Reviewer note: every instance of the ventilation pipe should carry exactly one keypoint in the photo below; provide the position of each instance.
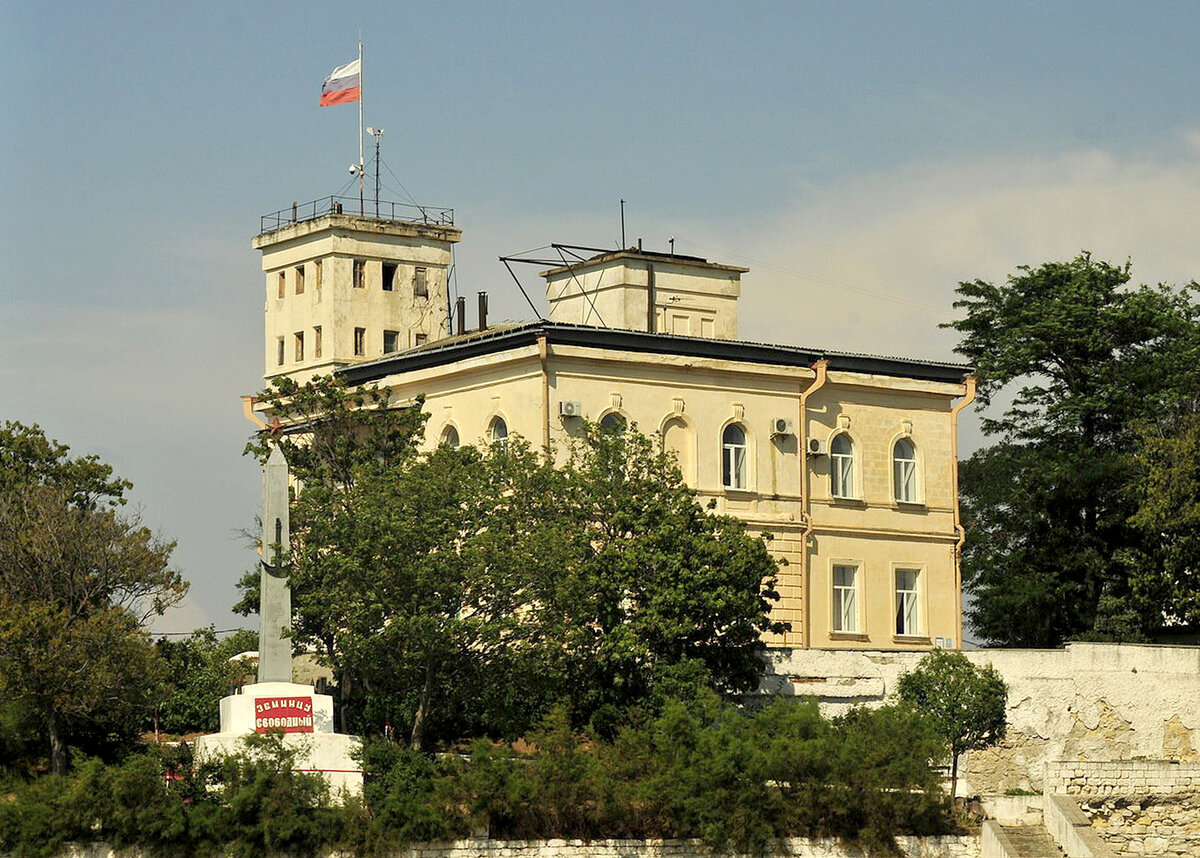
(460, 314)
(483, 311)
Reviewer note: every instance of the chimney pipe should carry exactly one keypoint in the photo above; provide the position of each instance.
(483, 311)
(460, 314)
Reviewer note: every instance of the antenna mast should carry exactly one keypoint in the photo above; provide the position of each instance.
(377, 133)
(622, 224)
(361, 159)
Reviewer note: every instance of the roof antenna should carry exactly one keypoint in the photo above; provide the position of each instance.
(622, 224)
(672, 240)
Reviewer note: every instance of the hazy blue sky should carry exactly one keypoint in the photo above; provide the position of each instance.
(861, 158)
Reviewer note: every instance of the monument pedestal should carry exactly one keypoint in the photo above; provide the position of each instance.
(306, 719)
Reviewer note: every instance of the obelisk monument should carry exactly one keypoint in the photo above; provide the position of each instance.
(275, 704)
(275, 594)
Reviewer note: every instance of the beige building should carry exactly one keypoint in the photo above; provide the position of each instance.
(847, 461)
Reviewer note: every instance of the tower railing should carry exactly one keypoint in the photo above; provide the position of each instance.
(383, 210)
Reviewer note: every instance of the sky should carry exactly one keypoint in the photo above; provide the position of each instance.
(861, 158)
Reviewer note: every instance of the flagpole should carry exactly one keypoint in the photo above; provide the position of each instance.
(361, 159)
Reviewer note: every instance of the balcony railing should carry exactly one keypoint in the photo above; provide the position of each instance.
(381, 210)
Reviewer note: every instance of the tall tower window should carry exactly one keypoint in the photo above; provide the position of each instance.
(420, 285)
(904, 471)
(360, 274)
(841, 466)
(282, 283)
(908, 616)
(733, 458)
(299, 279)
(390, 341)
(389, 276)
(279, 351)
(317, 341)
(299, 346)
(317, 274)
(360, 341)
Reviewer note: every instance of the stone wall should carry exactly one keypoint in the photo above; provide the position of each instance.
(482, 847)
(1084, 702)
(1132, 777)
(1146, 824)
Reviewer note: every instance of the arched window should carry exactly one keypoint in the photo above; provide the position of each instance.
(841, 466)
(733, 457)
(450, 437)
(498, 431)
(612, 422)
(904, 471)
(675, 439)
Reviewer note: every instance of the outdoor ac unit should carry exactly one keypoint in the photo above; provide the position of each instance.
(783, 426)
(817, 446)
(570, 409)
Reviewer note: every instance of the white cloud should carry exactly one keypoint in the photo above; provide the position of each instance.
(871, 264)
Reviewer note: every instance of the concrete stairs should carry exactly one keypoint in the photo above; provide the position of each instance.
(1031, 841)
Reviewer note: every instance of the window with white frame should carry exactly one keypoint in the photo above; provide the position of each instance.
(450, 437)
(908, 613)
(733, 457)
(841, 466)
(845, 598)
(498, 431)
(904, 471)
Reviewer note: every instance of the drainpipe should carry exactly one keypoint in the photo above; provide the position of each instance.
(968, 398)
(543, 354)
(821, 368)
(248, 403)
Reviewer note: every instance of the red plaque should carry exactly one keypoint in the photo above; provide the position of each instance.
(289, 714)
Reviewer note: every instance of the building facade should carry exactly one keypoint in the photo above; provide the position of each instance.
(846, 462)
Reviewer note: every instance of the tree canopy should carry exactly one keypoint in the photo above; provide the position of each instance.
(77, 581)
(1086, 361)
(460, 591)
(965, 703)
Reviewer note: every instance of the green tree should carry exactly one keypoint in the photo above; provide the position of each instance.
(77, 582)
(1083, 357)
(465, 590)
(965, 703)
(1168, 514)
(200, 670)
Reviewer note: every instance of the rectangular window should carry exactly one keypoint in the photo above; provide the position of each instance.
(299, 345)
(360, 274)
(908, 617)
(279, 351)
(360, 341)
(317, 341)
(299, 279)
(845, 598)
(282, 283)
(317, 275)
(420, 286)
(420, 339)
(389, 341)
(389, 276)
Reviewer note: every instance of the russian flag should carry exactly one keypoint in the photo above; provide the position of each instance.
(343, 85)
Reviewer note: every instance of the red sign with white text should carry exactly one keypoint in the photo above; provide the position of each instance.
(289, 714)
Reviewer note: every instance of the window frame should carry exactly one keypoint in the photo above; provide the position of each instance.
(358, 273)
(360, 342)
(317, 341)
(843, 469)
(497, 422)
(299, 277)
(420, 282)
(910, 605)
(448, 431)
(837, 601)
(913, 495)
(733, 477)
(299, 341)
(395, 341)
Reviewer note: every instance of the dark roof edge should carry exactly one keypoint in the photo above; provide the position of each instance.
(641, 341)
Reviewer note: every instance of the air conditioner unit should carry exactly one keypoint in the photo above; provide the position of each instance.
(783, 426)
(570, 409)
(817, 447)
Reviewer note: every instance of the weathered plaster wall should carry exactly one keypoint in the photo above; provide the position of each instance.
(1084, 702)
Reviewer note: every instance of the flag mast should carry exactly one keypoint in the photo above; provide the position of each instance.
(361, 159)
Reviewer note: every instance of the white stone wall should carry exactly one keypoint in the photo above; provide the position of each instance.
(1094, 702)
